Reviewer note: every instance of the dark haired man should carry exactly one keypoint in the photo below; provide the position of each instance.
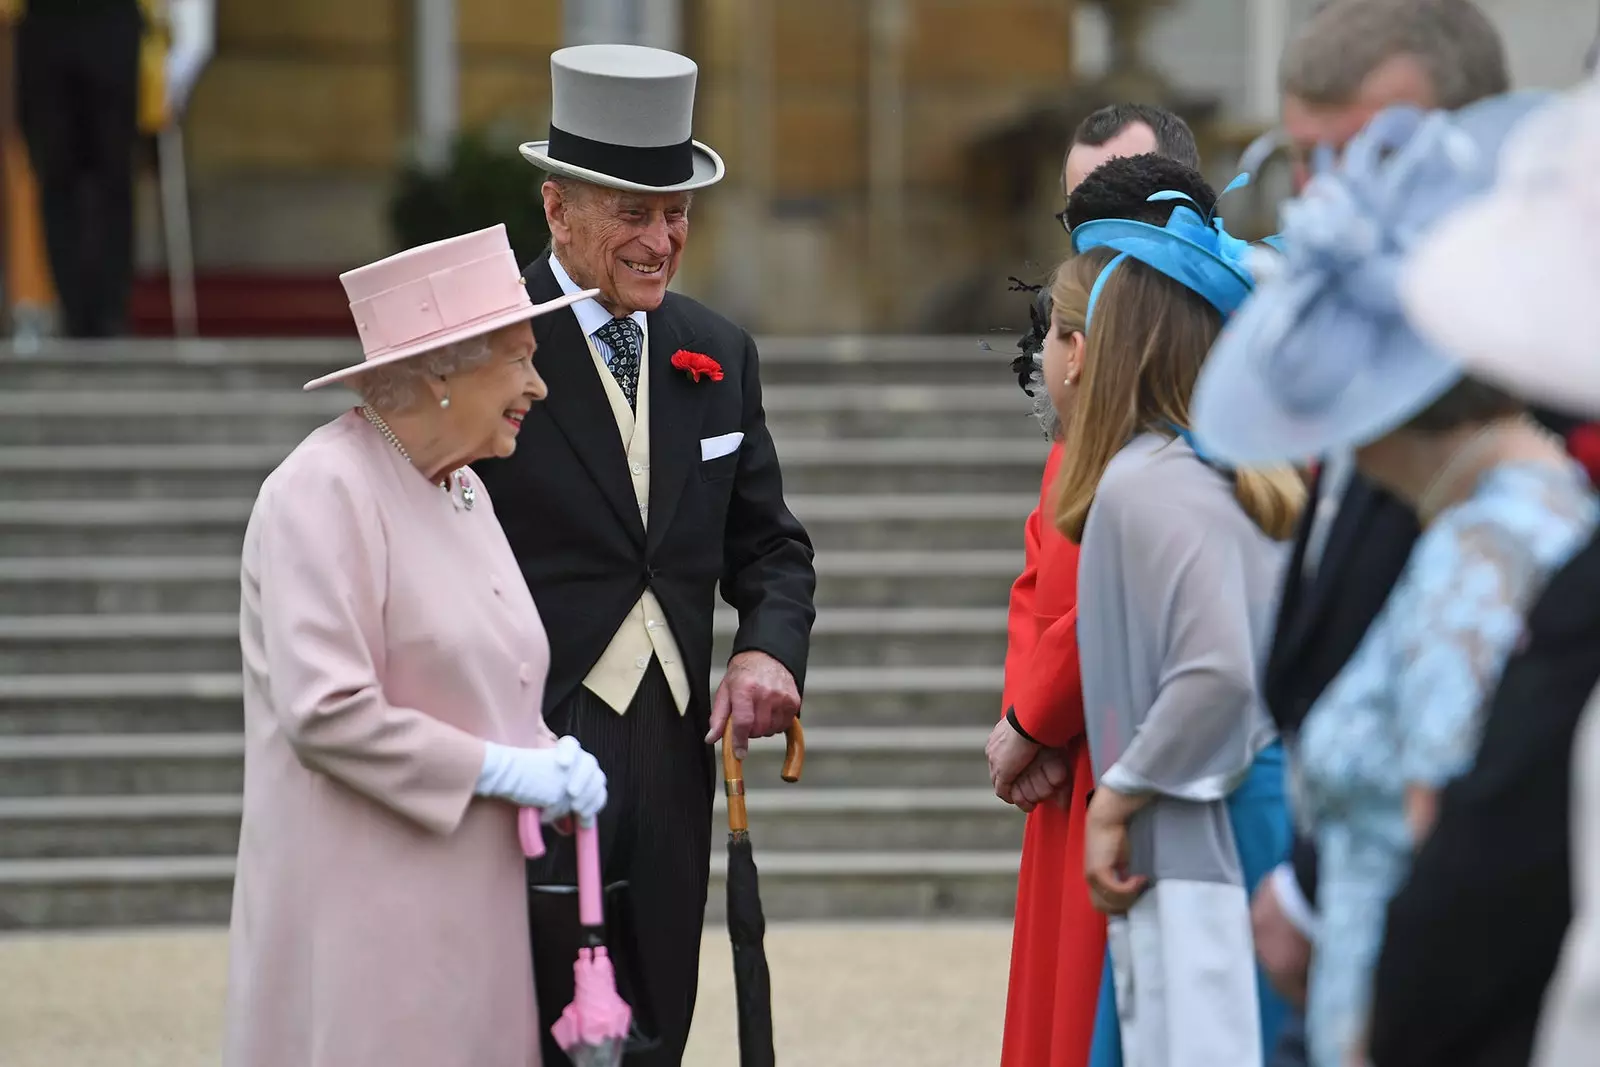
(1124, 130)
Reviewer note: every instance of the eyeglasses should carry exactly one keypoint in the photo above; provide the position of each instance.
(1061, 217)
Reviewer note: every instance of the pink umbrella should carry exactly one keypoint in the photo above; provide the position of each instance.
(594, 1028)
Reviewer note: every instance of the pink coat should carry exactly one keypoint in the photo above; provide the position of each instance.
(379, 911)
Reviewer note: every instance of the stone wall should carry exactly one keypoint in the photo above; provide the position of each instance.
(306, 109)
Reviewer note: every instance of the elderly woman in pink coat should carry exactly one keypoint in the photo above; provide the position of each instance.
(394, 668)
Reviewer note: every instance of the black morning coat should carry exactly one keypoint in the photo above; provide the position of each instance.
(565, 500)
(1321, 622)
(1473, 936)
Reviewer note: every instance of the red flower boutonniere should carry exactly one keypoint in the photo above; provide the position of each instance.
(695, 364)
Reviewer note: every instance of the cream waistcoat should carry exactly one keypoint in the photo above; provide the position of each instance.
(644, 633)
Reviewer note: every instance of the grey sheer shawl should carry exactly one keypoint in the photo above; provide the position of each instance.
(1176, 593)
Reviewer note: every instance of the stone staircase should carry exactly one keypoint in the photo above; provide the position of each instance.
(126, 476)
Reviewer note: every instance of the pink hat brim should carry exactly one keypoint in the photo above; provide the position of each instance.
(485, 325)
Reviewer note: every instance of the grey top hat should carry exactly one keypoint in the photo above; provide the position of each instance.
(620, 116)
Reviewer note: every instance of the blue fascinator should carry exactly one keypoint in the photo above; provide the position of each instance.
(1321, 358)
(1193, 250)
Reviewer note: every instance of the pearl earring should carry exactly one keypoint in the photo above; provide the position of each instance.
(444, 401)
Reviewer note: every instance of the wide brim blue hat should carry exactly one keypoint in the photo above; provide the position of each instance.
(1322, 357)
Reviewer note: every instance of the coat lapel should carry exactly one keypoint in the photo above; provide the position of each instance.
(676, 403)
(577, 401)
(1354, 506)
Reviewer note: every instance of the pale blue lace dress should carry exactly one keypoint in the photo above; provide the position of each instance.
(1406, 710)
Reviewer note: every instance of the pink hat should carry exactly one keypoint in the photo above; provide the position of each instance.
(435, 295)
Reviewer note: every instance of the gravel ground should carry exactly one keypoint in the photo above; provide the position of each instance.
(845, 995)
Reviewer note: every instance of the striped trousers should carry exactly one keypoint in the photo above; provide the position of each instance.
(655, 832)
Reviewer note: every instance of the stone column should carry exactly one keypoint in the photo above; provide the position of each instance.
(657, 23)
(437, 80)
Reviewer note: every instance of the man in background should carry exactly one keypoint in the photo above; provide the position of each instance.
(78, 78)
(78, 98)
(1124, 130)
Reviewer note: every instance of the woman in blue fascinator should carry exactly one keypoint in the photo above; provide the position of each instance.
(1320, 360)
(1176, 581)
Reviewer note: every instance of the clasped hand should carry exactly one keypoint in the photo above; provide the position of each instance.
(560, 780)
(1022, 772)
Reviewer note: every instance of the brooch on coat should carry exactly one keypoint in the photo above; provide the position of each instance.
(696, 364)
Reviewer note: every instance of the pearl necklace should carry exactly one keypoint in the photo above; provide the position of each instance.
(468, 495)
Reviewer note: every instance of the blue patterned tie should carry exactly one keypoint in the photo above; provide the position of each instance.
(624, 338)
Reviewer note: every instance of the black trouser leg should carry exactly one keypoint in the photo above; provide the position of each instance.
(655, 832)
(78, 86)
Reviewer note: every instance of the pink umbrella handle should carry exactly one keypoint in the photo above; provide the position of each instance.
(529, 834)
(591, 911)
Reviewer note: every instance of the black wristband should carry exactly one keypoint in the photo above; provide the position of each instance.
(1011, 717)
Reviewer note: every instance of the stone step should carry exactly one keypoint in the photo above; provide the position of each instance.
(283, 416)
(54, 765)
(189, 528)
(881, 697)
(180, 890)
(170, 472)
(782, 817)
(114, 366)
(842, 637)
(134, 585)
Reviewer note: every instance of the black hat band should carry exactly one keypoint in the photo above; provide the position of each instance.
(659, 167)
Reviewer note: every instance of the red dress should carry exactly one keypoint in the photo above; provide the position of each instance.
(1058, 944)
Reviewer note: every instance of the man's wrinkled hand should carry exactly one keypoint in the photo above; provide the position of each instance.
(759, 695)
(1284, 952)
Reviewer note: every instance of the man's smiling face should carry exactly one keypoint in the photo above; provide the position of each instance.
(628, 245)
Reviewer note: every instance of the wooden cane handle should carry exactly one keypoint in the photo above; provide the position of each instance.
(794, 756)
(733, 782)
(794, 763)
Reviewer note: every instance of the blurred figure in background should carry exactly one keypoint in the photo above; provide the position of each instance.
(79, 103)
(1321, 360)
(1038, 756)
(1350, 60)
(1504, 286)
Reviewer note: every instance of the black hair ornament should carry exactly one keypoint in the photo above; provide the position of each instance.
(1026, 366)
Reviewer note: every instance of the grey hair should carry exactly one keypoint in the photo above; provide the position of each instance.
(1346, 40)
(402, 385)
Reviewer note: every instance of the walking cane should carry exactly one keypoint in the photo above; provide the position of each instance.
(175, 216)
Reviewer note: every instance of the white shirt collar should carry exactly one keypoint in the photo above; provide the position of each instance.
(591, 313)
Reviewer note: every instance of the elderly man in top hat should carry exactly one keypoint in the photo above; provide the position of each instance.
(647, 478)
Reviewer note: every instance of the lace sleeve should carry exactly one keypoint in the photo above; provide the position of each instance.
(1465, 598)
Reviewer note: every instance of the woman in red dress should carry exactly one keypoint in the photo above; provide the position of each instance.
(1039, 760)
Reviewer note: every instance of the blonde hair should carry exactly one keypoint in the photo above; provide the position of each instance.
(1150, 338)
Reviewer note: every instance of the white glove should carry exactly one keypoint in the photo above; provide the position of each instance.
(193, 26)
(560, 780)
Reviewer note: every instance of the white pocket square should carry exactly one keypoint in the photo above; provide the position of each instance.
(715, 447)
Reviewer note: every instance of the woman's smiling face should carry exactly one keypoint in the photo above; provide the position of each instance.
(488, 402)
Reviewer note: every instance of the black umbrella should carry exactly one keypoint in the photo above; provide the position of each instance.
(752, 980)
